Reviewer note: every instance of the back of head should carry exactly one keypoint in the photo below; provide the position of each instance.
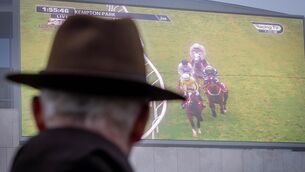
(109, 116)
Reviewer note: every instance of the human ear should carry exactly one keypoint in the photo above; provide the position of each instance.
(139, 125)
(37, 113)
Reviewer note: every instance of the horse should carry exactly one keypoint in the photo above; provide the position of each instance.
(216, 94)
(194, 107)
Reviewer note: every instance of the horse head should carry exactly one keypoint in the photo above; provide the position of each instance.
(194, 102)
(189, 96)
(192, 97)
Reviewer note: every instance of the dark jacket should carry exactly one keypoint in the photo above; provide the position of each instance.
(69, 150)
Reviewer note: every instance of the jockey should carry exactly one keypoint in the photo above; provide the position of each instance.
(185, 67)
(198, 56)
(188, 84)
(211, 75)
(209, 71)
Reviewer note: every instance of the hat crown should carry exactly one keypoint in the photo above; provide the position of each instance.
(99, 47)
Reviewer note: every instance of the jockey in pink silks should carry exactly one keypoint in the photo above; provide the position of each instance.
(198, 60)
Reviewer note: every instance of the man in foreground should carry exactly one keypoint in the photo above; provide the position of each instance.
(93, 103)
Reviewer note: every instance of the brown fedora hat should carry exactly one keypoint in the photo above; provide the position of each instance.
(96, 56)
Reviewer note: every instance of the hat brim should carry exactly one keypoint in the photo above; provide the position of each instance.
(94, 85)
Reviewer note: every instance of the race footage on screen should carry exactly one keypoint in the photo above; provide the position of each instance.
(243, 76)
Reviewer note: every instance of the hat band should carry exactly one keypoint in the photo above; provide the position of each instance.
(113, 75)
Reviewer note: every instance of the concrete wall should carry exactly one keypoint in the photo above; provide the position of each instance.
(9, 137)
(171, 159)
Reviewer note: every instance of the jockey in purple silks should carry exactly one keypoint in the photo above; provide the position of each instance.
(185, 67)
(210, 73)
(198, 59)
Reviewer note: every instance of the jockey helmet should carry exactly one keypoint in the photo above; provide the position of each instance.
(209, 67)
(184, 62)
(210, 71)
(197, 48)
(185, 76)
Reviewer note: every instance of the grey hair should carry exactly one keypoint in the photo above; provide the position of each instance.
(119, 113)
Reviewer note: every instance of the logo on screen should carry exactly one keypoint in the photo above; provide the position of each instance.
(268, 27)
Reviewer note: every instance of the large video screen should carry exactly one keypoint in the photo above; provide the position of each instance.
(243, 75)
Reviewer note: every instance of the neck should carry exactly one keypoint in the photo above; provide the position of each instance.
(101, 127)
(112, 134)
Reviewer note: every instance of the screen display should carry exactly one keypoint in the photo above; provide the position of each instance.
(243, 75)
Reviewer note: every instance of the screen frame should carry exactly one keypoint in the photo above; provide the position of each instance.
(192, 5)
(187, 5)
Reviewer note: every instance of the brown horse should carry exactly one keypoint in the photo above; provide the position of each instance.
(194, 107)
(216, 95)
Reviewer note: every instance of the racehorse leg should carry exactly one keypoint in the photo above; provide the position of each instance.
(193, 126)
(198, 125)
(226, 95)
(221, 104)
(222, 108)
(212, 107)
(194, 133)
(192, 122)
(199, 120)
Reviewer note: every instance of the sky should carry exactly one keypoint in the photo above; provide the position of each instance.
(294, 7)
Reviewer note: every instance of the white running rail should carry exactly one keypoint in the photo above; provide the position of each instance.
(158, 108)
(117, 8)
